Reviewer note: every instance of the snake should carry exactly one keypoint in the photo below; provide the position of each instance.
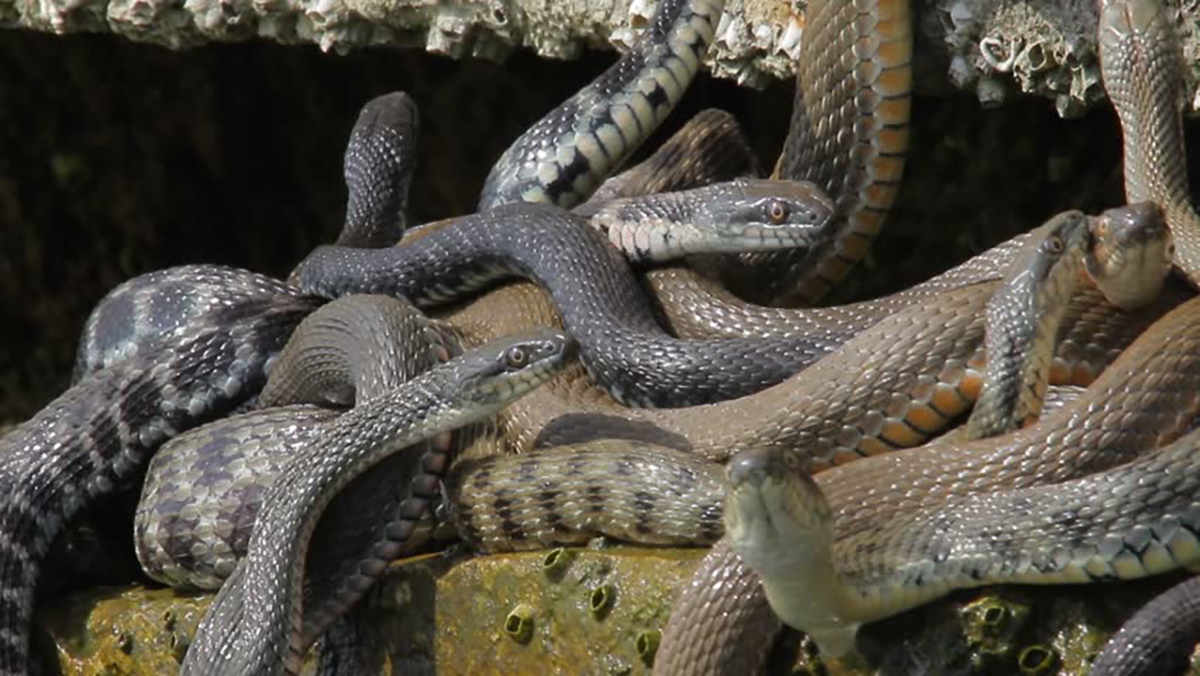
(1141, 62)
(1125, 253)
(1158, 639)
(256, 623)
(165, 352)
(1138, 519)
(601, 301)
(564, 156)
(849, 134)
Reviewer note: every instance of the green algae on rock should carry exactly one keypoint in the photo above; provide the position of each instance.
(600, 611)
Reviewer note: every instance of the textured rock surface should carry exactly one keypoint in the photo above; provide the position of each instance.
(596, 612)
(991, 47)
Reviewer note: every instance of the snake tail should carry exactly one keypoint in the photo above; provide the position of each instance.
(379, 165)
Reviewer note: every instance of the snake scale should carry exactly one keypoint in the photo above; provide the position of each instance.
(1130, 375)
(510, 534)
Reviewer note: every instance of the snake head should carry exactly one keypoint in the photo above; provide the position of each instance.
(505, 369)
(378, 167)
(758, 214)
(775, 515)
(1130, 255)
(1123, 18)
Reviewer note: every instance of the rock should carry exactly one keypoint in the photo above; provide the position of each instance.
(599, 611)
(991, 47)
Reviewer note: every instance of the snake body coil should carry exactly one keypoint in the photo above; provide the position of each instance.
(256, 624)
(97, 436)
(566, 154)
(601, 302)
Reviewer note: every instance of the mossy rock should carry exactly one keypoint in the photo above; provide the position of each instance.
(601, 611)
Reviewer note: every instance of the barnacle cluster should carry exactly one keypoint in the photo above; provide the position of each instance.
(1044, 48)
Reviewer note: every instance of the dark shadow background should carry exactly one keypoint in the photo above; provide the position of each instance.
(118, 158)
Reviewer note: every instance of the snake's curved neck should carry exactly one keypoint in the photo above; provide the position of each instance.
(564, 156)
(1140, 61)
(1023, 317)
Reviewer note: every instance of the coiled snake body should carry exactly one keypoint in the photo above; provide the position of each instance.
(1122, 440)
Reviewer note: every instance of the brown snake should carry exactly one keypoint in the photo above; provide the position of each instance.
(1098, 419)
(911, 369)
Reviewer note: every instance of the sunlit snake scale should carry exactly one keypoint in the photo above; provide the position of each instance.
(97, 436)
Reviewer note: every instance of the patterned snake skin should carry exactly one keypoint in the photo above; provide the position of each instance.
(581, 524)
(257, 624)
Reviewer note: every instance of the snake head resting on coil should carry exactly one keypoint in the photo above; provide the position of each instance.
(507, 367)
(742, 215)
(779, 522)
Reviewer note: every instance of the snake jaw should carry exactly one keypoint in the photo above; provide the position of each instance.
(1130, 255)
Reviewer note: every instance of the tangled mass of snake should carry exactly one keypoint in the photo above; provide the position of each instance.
(637, 354)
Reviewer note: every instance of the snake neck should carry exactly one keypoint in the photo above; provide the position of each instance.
(659, 227)
(648, 228)
(565, 155)
(1141, 63)
(791, 549)
(1023, 318)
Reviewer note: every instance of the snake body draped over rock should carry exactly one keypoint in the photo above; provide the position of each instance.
(256, 624)
(160, 354)
(1121, 446)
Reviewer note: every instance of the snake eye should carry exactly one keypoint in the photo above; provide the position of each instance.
(1054, 244)
(516, 357)
(777, 212)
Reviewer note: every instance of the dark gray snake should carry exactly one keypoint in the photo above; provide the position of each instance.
(156, 359)
(602, 304)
